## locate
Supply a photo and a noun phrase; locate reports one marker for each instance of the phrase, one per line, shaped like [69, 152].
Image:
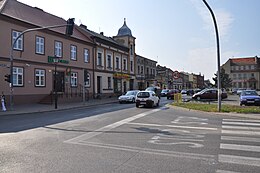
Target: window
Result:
[252, 67]
[74, 79]
[153, 71]
[252, 75]
[239, 76]
[19, 43]
[147, 70]
[232, 67]
[242, 68]
[234, 76]
[58, 49]
[142, 69]
[73, 52]
[109, 82]
[237, 68]
[109, 63]
[138, 69]
[17, 76]
[131, 49]
[124, 64]
[245, 76]
[39, 45]
[247, 67]
[99, 60]
[39, 77]
[86, 55]
[117, 63]
[131, 65]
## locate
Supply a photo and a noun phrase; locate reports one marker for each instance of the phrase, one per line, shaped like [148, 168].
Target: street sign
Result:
[176, 74]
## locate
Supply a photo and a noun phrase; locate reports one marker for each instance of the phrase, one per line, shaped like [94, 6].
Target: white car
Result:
[147, 98]
[128, 97]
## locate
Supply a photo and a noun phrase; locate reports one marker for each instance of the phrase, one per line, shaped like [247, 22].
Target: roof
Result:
[124, 30]
[249, 60]
[35, 16]
[105, 38]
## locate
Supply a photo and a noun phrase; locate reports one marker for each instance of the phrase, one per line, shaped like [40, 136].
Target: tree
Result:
[226, 82]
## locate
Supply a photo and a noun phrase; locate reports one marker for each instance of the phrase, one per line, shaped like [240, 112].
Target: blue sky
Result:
[178, 34]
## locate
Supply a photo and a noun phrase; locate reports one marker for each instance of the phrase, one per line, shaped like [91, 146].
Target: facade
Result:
[244, 72]
[111, 66]
[33, 67]
[145, 72]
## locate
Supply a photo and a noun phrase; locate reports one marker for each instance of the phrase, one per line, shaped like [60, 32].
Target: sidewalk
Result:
[36, 108]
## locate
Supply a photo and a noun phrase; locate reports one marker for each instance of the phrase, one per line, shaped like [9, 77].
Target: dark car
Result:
[155, 89]
[249, 97]
[170, 94]
[164, 92]
[209, 94]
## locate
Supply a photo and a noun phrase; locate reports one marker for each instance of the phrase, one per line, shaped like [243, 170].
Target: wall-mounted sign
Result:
[50, 60]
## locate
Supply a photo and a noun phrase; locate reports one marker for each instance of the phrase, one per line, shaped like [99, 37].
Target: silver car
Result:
[129, 97]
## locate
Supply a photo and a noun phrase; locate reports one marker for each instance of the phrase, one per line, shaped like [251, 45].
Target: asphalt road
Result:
[121, 138]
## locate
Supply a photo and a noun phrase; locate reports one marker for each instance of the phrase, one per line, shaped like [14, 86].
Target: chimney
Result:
[102, 33]
[83, 26]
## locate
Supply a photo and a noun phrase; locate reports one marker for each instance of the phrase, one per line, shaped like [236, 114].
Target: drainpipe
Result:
[93, 64]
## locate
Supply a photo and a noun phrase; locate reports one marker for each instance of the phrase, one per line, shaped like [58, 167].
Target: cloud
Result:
[224, 19]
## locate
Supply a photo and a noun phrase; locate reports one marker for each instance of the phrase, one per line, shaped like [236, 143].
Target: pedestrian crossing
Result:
[243, 136]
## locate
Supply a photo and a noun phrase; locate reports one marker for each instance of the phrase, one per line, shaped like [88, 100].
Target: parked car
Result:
[209, 94]
[147, 98]
[239, 90]
[164, 92]
[249, 97]
[128, 97]
[170, 94]
[155, 89]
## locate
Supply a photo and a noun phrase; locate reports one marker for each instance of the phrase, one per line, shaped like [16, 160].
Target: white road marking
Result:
[109, 127]
[224, 171]
[240, 132]
[240, 147]
[235, 138]
[242, 120]
[241, 127]
[189, 155]
[173, 126]
[239, 123]
[251, 161]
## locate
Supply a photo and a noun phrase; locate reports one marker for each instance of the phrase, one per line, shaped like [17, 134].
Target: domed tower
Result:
[125, 37]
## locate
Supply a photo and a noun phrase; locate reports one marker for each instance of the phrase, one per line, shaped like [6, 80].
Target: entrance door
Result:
[99, 84]
[59, 81]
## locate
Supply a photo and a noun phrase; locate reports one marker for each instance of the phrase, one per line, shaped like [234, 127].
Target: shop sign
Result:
[50, 60]
[121, 76]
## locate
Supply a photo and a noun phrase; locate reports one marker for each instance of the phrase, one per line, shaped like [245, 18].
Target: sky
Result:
[178, 34]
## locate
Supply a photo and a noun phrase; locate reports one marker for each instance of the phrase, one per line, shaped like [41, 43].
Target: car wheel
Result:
[158, 103]
[198, 98]
[120, 102]
[137, 105]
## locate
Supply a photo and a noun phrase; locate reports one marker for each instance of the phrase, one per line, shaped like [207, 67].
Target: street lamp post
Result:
[218, 54]
[55, 61]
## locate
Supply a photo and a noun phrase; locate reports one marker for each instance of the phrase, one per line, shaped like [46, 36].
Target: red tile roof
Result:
[250, 60]
[36, 16]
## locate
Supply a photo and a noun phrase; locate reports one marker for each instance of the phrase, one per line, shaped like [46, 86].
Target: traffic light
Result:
[7, 78]
[70, 26]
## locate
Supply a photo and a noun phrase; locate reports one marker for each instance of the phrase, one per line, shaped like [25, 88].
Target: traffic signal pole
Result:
[70, 25]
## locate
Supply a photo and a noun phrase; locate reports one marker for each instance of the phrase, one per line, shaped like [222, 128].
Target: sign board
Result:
[50, 60]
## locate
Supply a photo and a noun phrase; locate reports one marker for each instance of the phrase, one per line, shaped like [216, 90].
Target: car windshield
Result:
[249, 93]
[164, 91]
[143, 94]
[130, 93]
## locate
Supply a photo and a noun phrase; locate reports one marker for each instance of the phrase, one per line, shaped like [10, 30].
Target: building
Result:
[244, 72]
[33, 67]
[112, 72]
[145, 72]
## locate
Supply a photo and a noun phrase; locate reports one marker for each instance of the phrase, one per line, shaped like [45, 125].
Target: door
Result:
[99, 84]
[60, 84]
